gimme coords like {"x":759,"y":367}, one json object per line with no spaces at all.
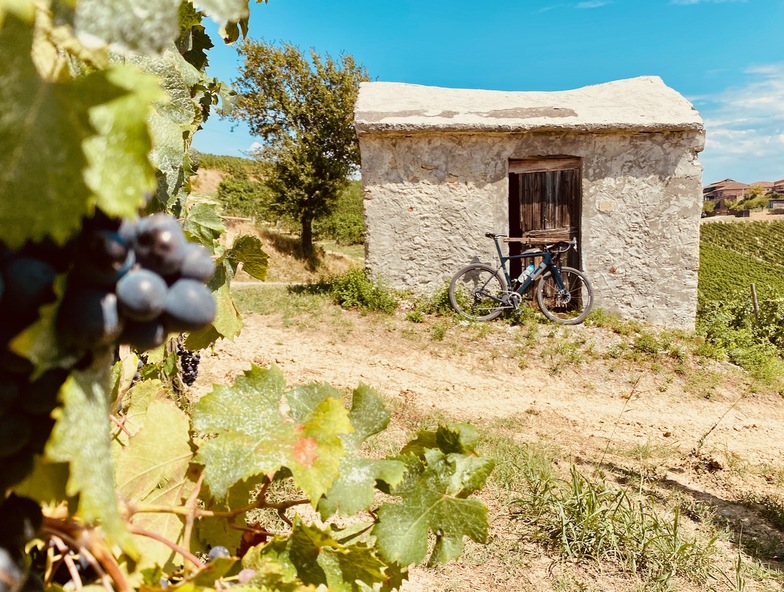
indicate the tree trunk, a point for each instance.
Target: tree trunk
{"x":307,"y":235}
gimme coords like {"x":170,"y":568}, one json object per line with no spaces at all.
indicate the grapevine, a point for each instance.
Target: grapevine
{"x":105,"y":262}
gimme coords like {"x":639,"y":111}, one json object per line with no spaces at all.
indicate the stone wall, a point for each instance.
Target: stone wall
{"x":430,"y":198}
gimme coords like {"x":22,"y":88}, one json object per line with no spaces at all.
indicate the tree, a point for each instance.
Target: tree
{"x":302,"y":109}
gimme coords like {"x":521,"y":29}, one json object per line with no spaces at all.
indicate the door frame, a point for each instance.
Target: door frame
{"x":522,"y":166}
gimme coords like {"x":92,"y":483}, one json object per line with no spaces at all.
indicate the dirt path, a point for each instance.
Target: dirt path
{"x":598,"y":411}
{"x":584,"y":403}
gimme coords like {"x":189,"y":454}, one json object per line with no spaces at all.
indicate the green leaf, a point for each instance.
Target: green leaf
{"x":135,"y":404}
{"x":453,"y":437}
{"x":368,"y":416}
{"x":153,"y":470}
{"x":81,"y":437}
{"x":354,"y":490}
{"x":203,"y":224}
{"x":157,"y":456}
{"x":253,"y":436}
{"x":43,"y":126}
{"x":174,"y":121}
{"x":144,"y":27}
{"x":120,"y":173}
{"x":247,"y":250}
{"x":215,"y":531}
{"x":46,"y":484}
{"x":314,"y":557}
{"x":430,"y":502}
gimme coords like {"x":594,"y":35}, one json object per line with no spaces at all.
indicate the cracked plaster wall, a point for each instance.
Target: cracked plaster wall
{"x":430,"y":198}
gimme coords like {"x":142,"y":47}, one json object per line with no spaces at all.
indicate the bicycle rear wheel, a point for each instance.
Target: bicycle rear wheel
{"x":569,"y":306}
{"x":477,"y":292}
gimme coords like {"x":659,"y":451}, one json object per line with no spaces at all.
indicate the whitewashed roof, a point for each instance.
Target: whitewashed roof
{"x":636,"y":104}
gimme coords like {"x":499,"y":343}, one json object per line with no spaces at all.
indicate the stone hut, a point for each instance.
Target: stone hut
{"x":614,"y":165}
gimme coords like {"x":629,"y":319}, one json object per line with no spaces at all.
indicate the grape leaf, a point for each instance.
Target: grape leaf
{"x":430,"y":501}
{"x":43,"y":126}
{"x":81,"y":437}
{"x":157,"y":456}
{"x":203,"y":224}
{"x":119,"y":172}
{"x":135,"y":403}
{"x":254,"y":436}
{"x":146,"y":27}
{"x":248,"y":251}
{"x":314,"y":557}
{"x":173,"y":122}
{"x":354,"y":490}
{"x":152,"y":469}
{"x":215,"y":531}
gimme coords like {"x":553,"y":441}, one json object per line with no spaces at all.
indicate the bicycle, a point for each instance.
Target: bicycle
{"x":564,"y":294}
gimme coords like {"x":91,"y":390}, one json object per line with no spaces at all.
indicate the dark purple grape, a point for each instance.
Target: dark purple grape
{"x":41,"y":428}
{"x":14,"y":433}
{"x":246,"y":575}
{"x":189,"y":306}
{"x":10,"y":389}
{"x":160,"y":244}
{"x":143,"y":335}
{"x":28,"y":285}
{"x":15,"y":468}
{"x":13,"y":363}
{"x":141,"y":294}
{"x":103,"y":257}
{"x":197,"y":263}
{"x":21,"y":518}
{"x":218,"y":551}
{"x":89,"y":318}
{"x":40,"y":396}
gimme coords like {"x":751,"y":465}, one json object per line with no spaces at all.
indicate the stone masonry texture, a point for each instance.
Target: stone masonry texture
{"x":435,"y":175}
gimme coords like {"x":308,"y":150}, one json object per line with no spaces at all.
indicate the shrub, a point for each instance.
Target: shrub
{"x":343,"y":228}
{"x":354,"y":289}
{"x":755,"y":343}
{"x":247,"y":198}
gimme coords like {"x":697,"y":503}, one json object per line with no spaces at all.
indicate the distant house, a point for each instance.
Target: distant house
{"x":721,"y":192}
{"x":615,"y":165}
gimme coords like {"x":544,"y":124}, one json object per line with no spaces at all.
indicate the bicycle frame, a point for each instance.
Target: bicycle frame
{"x":546,"y":264}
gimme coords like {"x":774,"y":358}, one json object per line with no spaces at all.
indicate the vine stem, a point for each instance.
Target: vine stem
{"x":69,"y":532}
{"x":191,"y":504}
{"x":187,"y":555}
{"x":69,"y":564}
{"x":199,"y":513}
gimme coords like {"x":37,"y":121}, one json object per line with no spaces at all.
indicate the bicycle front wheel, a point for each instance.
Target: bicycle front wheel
{"x":477,"y":292}
{"x":569,"y":306}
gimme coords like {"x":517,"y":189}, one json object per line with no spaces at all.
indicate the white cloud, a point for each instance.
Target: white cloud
{"x":593,"y":4}
{"x":745,"y":128}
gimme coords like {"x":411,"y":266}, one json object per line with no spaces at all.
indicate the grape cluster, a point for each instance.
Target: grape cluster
{"x":134,"y":284}
{"x":127,"y":282}
{"x":189,"y":363}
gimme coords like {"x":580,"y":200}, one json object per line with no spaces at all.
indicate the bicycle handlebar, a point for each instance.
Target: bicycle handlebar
{"x":549,"y":248}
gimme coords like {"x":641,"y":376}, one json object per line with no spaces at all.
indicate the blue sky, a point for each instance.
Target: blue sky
{"x":725,"y":56}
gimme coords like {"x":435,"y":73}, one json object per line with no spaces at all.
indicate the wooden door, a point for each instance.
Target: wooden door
{"x":544,"y":194}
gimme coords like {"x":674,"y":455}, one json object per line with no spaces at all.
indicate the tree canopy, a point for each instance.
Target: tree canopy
{"x":301,"y":107}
